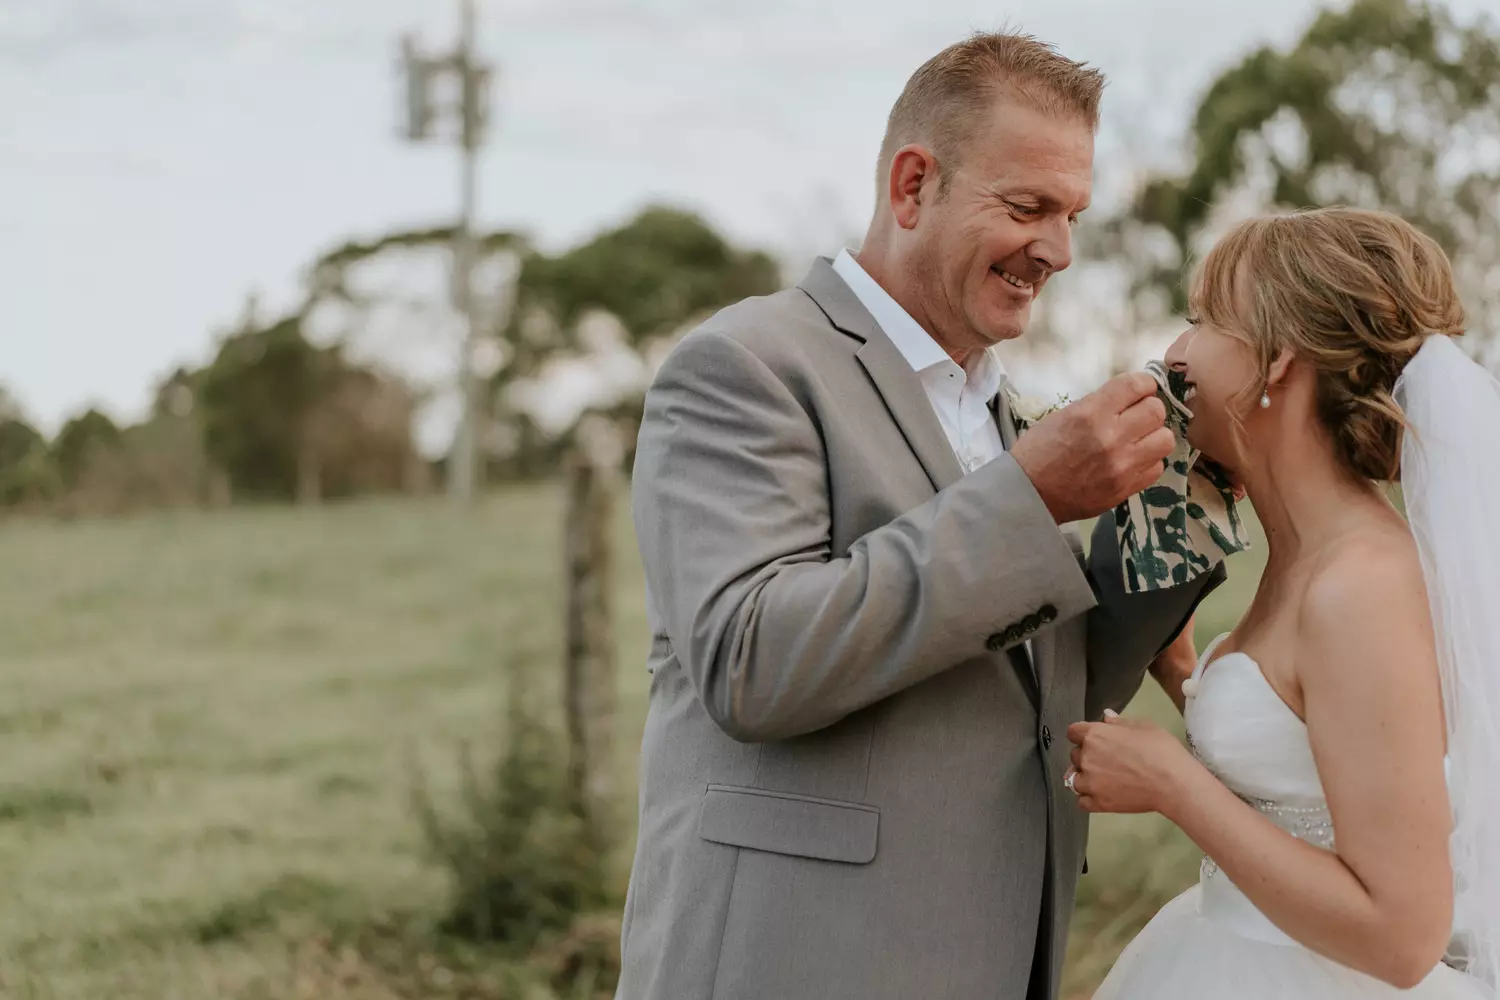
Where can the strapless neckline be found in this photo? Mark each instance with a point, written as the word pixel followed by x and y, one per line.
pixel 1208 661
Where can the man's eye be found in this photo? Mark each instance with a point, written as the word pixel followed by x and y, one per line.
pixel 1193 320
pixel 1025 211
pixel 1073 220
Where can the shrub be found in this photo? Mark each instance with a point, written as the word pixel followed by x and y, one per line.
pixel 523 862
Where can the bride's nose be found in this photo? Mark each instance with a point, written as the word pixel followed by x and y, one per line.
pixel 1177 353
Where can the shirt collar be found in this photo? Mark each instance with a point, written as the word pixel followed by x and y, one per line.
pixel 915 344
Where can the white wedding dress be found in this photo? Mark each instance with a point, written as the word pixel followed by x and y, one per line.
pixel 1211 943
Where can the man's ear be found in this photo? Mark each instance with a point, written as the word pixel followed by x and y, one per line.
pixel 913 171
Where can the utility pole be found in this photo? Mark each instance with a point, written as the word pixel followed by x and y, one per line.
pixel 465 72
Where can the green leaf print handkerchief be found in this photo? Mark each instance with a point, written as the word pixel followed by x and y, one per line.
pixel 1186 523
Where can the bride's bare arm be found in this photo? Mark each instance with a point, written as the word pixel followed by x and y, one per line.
pixel 1176 664
pixel 1383 904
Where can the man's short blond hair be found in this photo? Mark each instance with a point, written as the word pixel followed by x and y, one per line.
pixel 947 98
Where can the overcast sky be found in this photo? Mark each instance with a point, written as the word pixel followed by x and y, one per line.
pixel 161 158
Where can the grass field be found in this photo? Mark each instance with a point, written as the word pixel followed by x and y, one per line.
pixel 212 725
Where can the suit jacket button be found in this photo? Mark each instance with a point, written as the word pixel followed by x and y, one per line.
pixel 1048 614
pixel 995 643
pixel 1046 738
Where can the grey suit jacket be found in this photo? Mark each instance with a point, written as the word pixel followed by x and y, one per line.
pixel 850 783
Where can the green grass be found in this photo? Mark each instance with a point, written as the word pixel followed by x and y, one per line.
pixel 212 725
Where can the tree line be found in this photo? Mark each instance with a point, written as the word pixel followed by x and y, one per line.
pixel 1385 103
pixel 287 411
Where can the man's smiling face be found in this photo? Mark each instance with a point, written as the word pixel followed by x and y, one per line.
pixel 1004 226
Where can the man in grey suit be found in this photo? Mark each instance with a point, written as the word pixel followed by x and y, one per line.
pixel 872 620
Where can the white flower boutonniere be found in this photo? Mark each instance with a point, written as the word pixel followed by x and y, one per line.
pixel 1027 411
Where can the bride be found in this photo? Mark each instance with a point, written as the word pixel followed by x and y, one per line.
pixel 1343 770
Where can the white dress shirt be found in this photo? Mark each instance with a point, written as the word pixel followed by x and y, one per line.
pixel 959 397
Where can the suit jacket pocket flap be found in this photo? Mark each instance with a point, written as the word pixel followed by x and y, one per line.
pixel 782 823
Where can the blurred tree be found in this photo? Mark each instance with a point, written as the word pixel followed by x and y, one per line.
pixel 392 298
pixel 96 467
pixel 356 438
pixel 1385 104
pixel 171 461
pixel 657 274
pixel 254 397
pixel 83 436
pixel 176 395
pixel 156 464
pixel 654 273
pixel 27 474
pixel 284 418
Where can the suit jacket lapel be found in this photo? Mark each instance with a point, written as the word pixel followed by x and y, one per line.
pixel 1034 666
pixel 907 401
pixel 904 396
pixel 1003 416
pixel 898 385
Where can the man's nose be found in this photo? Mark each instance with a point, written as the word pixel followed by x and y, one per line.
pixel 1054 251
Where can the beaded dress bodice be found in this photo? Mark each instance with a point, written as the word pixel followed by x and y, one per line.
pixel 1253 742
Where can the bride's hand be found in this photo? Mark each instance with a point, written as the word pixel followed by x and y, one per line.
pixel 1125 765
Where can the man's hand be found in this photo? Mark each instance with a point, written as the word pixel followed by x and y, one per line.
pixel 1088 457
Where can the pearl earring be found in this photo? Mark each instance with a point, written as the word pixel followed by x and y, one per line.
pixel 1265 401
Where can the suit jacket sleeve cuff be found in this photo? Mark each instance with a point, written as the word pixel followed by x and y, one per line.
pixel 1040 571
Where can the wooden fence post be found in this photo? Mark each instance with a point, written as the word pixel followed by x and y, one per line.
pixel 589 666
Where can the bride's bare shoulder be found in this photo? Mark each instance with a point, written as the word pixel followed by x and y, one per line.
pixel 1366 601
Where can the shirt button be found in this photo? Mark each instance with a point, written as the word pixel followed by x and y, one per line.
pixel 1046 738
